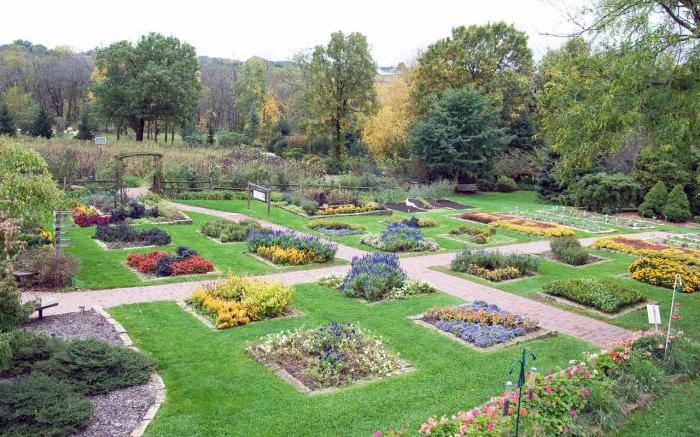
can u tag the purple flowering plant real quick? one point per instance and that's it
(373, 276)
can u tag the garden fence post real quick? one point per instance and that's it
(677, 284)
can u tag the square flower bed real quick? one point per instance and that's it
(400, 237)
(662, 273)
(226, 231)
(473, 235)
(335, 228)
(335, 355)
(479, 323)
(86, 216)
(637, 247)
(416, 222)
(239, 301)
(530, 227)
(494, 266)
(603, 294)
(160, 263)
(123, 235)
(290, 248)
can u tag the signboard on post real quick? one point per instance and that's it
(260, 193)
(101, 140)
(654, 316)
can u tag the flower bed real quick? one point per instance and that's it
(125, 236)
(633, 246)
(662, 273)
(335, 228)
(227, 231)
(239, 301)
(400, 237)
(311, 208)
(160, 263)
(569, 251)
(284, 247)
(475, 235)
(592, 397)
(479, 323)
(86, 216)
(494, 266)
(604, 294)
(416, 222)
(530, 227)
(335, 355)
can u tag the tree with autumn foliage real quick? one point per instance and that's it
(386, 132)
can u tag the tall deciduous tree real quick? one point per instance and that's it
(250, 90)
(386, 131)
(155, 80)
(458, 135)
(340, 79)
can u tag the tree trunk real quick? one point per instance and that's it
(118, 132)
(172, 136)
(139, 129)
(155, 132)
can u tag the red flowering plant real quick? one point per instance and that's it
(145, 262)
(183, 262)
(193, 265)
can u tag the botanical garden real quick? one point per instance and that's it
(480, 244)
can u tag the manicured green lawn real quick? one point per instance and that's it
(215, 389)
(100, 268)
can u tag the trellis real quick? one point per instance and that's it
(157, 183)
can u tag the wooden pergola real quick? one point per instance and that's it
(157, 183)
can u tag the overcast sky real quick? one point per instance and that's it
(396, 30)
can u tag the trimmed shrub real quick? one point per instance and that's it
(605, 294)
(677, 208)
(569, 250)
(93, 366)
(654, 201)
(227, 231)
(38, 405)
(506, 184)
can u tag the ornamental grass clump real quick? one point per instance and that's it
(334, 355)
(286, 247)
(400, 237)
(569, 250)
(605, 294)
(373, 276)
(494, 266)
(239, 301)
(227, 231)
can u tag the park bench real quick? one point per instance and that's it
(24, 278)
(466, 188)
(44, 304)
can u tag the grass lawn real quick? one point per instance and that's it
(636, 320)
(100, 268)
(215, 389)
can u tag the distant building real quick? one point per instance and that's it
(388, 71)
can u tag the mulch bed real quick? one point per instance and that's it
(445, 203)
(117, 413)
(435, 203)
(401, 206)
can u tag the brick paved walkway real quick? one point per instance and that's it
(599, 333)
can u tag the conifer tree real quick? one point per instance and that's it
(677, 208)
(654, 201)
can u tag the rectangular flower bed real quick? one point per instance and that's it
(335, 355)
(603, 294)
(479, 324)
(86, 216)
(662, 273)
(227, 231)
(401, 237)
(238, 301)
(494, 266)
(530, 227)
(122, 235)
(160, 263)
(637, 247)
(290, 248)
(335, 228)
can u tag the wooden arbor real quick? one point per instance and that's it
(157, 183)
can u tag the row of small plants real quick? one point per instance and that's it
(239, 301)
(123, 235)
(494, 266)
(530, 227)
(50, 379)
(335, 228)
(637, 247)
(333, 355)
(400, 237)
(662, 273)
(227, 231)
(592, 397)
(160, 263)
(300, 204)
(376, 276)
(474, 235)
(479, 323)
(290, 248)
(604, 294)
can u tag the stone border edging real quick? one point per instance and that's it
(155, 377)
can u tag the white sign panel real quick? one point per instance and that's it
(259, 195)
(100, 140)
(653, 314)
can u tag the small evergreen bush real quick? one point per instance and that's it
(654, 201)
(677, 208)
(506, 184)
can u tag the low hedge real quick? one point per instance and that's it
(604, 294)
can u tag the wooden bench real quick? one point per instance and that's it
(24, 278)
(466, 188)
(44, 304)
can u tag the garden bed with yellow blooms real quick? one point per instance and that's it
(642, 248)
(662, 273)
(290, 248)
(530, 227)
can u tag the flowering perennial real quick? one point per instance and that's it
(636, 247)
(373, 276)
(160, 263)
(517, 224)
(284, 247)
(662, 273)
(401, 237)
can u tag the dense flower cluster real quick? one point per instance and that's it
(479, 323)
(605, 294)
(401, 237)
(348, 209)
(284, 247)
(633, 246)
(160, 263)
(531, 227)
(227, 231)
(239, 301)
(124, 235)
(662, 272)
(494, 266)
(333, 355)
(86, 216)
(476, 235)
(373, 276)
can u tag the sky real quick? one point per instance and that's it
(276, 30)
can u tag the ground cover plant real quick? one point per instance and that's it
(604, 294)
(285, 247)
(333, 355)
(184, 261)
(662, 273)
(335, 228)
(227, 231)
(637, 247)
(569, 250)
(238, 301)
(494, 266)
(479, 323)
(400, 237)
(532, 227)
(123, 235)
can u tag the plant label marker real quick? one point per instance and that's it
(654, 316)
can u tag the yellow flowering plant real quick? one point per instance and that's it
(662, 273)
(649, 249)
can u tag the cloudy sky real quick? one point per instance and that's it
(396, 30)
